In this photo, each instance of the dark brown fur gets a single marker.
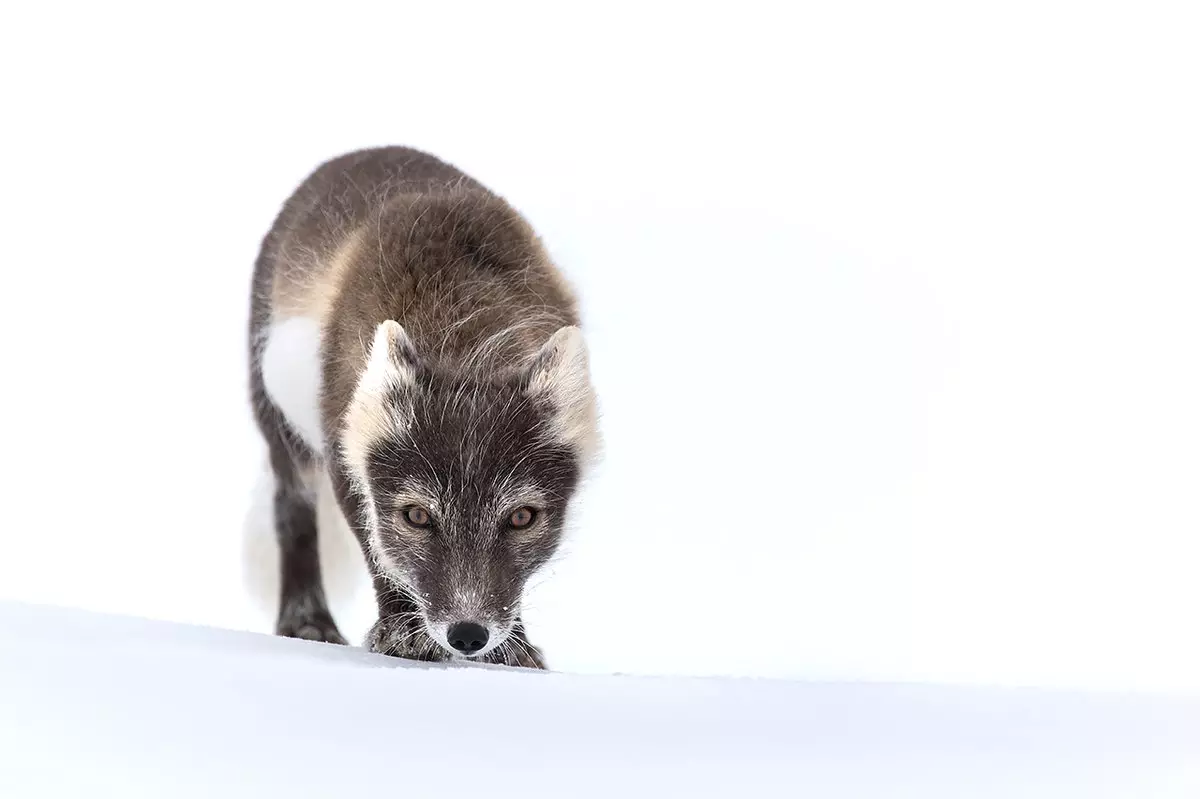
(455, 265)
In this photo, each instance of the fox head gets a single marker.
(466, 476)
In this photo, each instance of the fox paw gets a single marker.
(309, 627)
(400, 640)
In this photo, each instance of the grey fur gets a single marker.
(475, 402)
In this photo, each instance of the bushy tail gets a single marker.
(343, 570)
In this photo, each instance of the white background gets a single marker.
(892, 310)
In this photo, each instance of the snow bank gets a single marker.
(109, 706)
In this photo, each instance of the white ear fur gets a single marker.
(370, 416)
(390, 362)
(560, 373)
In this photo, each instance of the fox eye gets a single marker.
(417, 516)
(521, 518)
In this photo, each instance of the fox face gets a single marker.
(466, 477)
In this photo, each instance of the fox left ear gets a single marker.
(560, 374)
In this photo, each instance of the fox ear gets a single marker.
(373, 414)
(560, 375)
(392, 360)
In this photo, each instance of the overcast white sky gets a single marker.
(892, 310)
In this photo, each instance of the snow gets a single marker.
(109, 706)
(892, 309)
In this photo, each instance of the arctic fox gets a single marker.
(411, 338)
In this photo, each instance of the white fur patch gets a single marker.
(291, 370)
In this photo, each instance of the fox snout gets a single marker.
(469, 637)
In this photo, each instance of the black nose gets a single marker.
(467, 637)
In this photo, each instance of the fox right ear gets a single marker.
(373, 413)
(392, 360)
